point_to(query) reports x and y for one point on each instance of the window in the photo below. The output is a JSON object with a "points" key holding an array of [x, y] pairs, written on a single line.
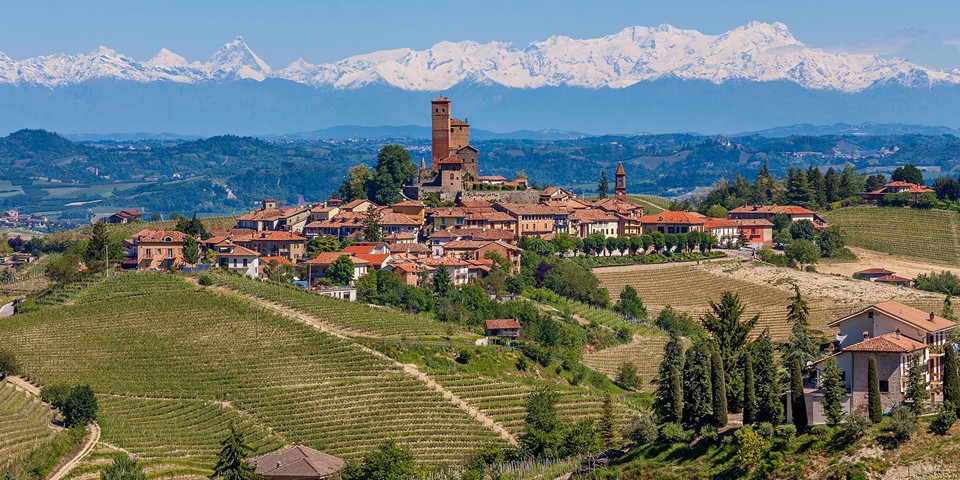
{"points": [[244, 262], [884, 386], [148, 253], [169, 253]]}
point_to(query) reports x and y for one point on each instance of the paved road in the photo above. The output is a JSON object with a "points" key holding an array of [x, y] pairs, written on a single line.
{"points": [[6, 310]]}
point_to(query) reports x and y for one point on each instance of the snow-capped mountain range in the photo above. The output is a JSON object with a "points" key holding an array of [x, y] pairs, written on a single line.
{"points": [[756, 52]]}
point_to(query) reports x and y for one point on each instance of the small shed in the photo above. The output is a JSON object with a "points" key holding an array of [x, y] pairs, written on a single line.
{"points": [[894, 280], [872, 274], [298, 463], [503, 328]]}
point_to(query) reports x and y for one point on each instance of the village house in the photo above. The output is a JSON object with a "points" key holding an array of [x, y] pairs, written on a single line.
{"points": [[667, 222], [896, 335], [767, 212], [477, 250], [589, 221], [288, 245], [532, 220], [894, 280], [125, 216], [158, 249], [298, 463], [316, 268], [270, 217], [392, 222], [756, 232], [503, 328], [414, 209], [340, 292], [408, 250], [726, 231], [342, 225], [555, 193], [360, 205], [322, 214], [872, 274], [894, 188], [238, 259]]}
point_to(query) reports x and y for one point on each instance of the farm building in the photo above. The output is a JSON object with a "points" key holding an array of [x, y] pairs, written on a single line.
{"points": [[872, 274], [893, 188], [298, 463], [503, 328]]}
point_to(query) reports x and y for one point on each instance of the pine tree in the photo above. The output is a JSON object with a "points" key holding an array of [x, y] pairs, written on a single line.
{"points": [[372, 227], [604, 187], [607, 425], [719, 385], [697, 394], [874, 407], [798, 402], [951, 378], [947, 311], [749, 391], [232, 460], [832, 186], [834, 392], [441, 281], [800, 345], [669, 389], [769, 406], [724, 322], [916, 386]]}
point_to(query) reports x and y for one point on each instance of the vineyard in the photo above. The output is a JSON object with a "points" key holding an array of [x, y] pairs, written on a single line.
{"points": [[171, 368], [932, 235], [645, 352], [652, 204], [24, 424], [364, 320]]}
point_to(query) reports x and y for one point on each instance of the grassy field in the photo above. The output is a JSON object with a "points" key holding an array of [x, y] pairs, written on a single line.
{"points": [[170, 369], [931, 235], [24, 424]]}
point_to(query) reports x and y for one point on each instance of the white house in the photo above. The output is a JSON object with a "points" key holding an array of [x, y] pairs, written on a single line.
{"points": [[237, 258]]}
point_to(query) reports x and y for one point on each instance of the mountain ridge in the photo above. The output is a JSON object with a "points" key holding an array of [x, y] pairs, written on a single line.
{"points": [[757, 51]]}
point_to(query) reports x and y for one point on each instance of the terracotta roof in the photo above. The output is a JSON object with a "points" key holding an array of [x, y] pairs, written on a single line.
{"points": [[400, 236], [487, 234], [374, 258], [269, 214], [362, 248], [465, 245], [408, 248], [893, 279], [669, 216], [392, 218], [874, 271], [409, 203], [236, 251], [906, 314], [888, 342], [774, 209], [447, 212], [266, 260], [501, 323], [159, 236], [491, 178], [755, 222], [272, 236], [451, 160], [356, 203], [911, 187], [474, 204], [722, 223], [491, 216], [592, 215], [297, 462], [458, 122], [550, 190], [527, 209], [327, 258], [620, 170]]}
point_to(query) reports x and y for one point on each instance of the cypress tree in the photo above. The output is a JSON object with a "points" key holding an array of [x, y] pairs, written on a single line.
{"points": [[916, 386], [951, 378], [834, 392], [669, 392], [608, 423], [874, 408], [749, 392], [696, 383], [768, 390], [798, 403], [719, 388]]}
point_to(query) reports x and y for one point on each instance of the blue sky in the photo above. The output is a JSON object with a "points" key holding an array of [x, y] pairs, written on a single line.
{"points": [[322, 31]]}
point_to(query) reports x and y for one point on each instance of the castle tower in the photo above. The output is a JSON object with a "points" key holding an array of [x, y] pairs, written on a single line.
{"points": [[440, 115], [620, 185]]}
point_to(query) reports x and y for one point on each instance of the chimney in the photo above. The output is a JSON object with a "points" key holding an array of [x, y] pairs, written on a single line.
{"points": [[269, 204], [898, 334], [931, 316], [866, 334]]}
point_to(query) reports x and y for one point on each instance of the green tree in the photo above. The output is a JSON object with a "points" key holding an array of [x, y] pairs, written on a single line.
{"points": [[875, 182], [191, 250], [102, 248], [697, 389], [340, 272], [630, 304], [717, 211], [951, 378], [627, 376], [830, 241], [80, 406], [442, 283], [719, 384], [9, 364], [322, 244], [916, 392], [832, 185], [193, 227], [542, 435], [607, 426], [834, 392], [752, 448], [372, 227], [564, 242], [393, 170], [798, 402], [604, 187], [749, 391], [232, 460], [769, 406], [803, 252], [388, 461], [874, 406], [724, 322], [669, 384], [354, 187], [123, 468], [803, 230], [907, 173], [801, 346]]}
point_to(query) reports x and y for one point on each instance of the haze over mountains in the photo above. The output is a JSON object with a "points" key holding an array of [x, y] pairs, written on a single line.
{"points": [[656, 79]]}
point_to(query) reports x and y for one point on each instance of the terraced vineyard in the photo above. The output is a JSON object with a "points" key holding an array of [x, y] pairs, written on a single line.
{"points": [[359, 318], [645, 352], [651, 203], [932, 235], [24, 424], [169, 368], [130, 284]]}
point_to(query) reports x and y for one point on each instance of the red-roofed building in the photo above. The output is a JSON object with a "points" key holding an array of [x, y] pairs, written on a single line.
{"points": [[237, 258], [767, 212], [317, 267], [298, 463], [158, 249], [668, 221], [894, 188], [894, 280], [503, 328], [125, 216], [872, 273], [270, 217]]}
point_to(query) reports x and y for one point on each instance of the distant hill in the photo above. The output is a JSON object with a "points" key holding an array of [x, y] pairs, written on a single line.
{"points": [[861, 129], [418, 132]]}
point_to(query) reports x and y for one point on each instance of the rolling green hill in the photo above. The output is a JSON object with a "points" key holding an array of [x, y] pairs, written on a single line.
{"points": [[931, 235], [25, 424]]}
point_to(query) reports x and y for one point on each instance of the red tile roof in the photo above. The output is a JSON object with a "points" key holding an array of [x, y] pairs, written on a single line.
{"points": [[374, 258], [888, 342], [874, 271], [409, 203], [516, 209], [159, 236], [669, 216], [451, 160], [620, 170], [925, 321], [266, 260], [327, 258], [270, 214], [893, 279], [501, 323], [474, 204], [774, 209], [297, 462]]}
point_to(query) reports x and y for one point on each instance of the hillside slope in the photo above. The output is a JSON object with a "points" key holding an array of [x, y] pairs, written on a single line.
{"points": [[931, 235]]}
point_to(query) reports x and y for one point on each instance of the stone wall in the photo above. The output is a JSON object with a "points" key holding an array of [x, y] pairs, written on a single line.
{"points": [[888, 368]]}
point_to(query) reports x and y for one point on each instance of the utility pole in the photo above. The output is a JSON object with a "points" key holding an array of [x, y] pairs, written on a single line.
{"points": [[257, 309], [106, 260]]}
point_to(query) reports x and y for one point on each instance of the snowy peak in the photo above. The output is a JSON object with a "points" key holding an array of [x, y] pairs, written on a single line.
{"points": [[756, 52]]}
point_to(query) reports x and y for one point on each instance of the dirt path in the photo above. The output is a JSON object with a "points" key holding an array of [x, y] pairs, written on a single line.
{"points": [[91, 441], [408, 369], [24, 385], [904, 267]]}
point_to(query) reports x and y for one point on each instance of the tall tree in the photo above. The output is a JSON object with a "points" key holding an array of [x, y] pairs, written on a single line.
{"points": [[341, 272], [875, 182], [907, 173], [191, 250], [669, 384], [607, 425], [232, 461], [372, 227], [442, 284], [832, 185], [604, 187], [798, 403], [697, 392], [834, 392], [916, 391], [769, 406], [394, 170], [354, 187], [749, 391], [102, 250], [630, 304], [730, 332], [851, 182], [818, 187], [719, 388], [800, 345], [874, 407], [80, 406], [542, 431], [951, 378]]}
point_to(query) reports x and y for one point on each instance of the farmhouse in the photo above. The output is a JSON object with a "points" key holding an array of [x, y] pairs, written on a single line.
{"points": [[893, 188], [269, 217], [872, 273], [158, 249], [125, 216], [317, 267], [503, 328], [237, 258], [767, 212], [298, 463]]}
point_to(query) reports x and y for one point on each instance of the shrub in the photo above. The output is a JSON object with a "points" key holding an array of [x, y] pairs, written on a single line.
{"points": [[8, 363], [674, 433], [821, 431], [766, 430], [522, 363], [205, 280], [641, 430], [751, 449], [465, 356], [854, 426], [709, 434], [946, 417], [627, 376], [55, 394], [902, 423], [786, 432]]}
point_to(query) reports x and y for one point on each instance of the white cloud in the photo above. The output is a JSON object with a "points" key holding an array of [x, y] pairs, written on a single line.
{"points": [[952, 43], [893, 43]]}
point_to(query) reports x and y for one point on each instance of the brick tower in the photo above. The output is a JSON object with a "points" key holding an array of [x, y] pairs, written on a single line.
{"points": [[440, 114], [620, 185]]}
